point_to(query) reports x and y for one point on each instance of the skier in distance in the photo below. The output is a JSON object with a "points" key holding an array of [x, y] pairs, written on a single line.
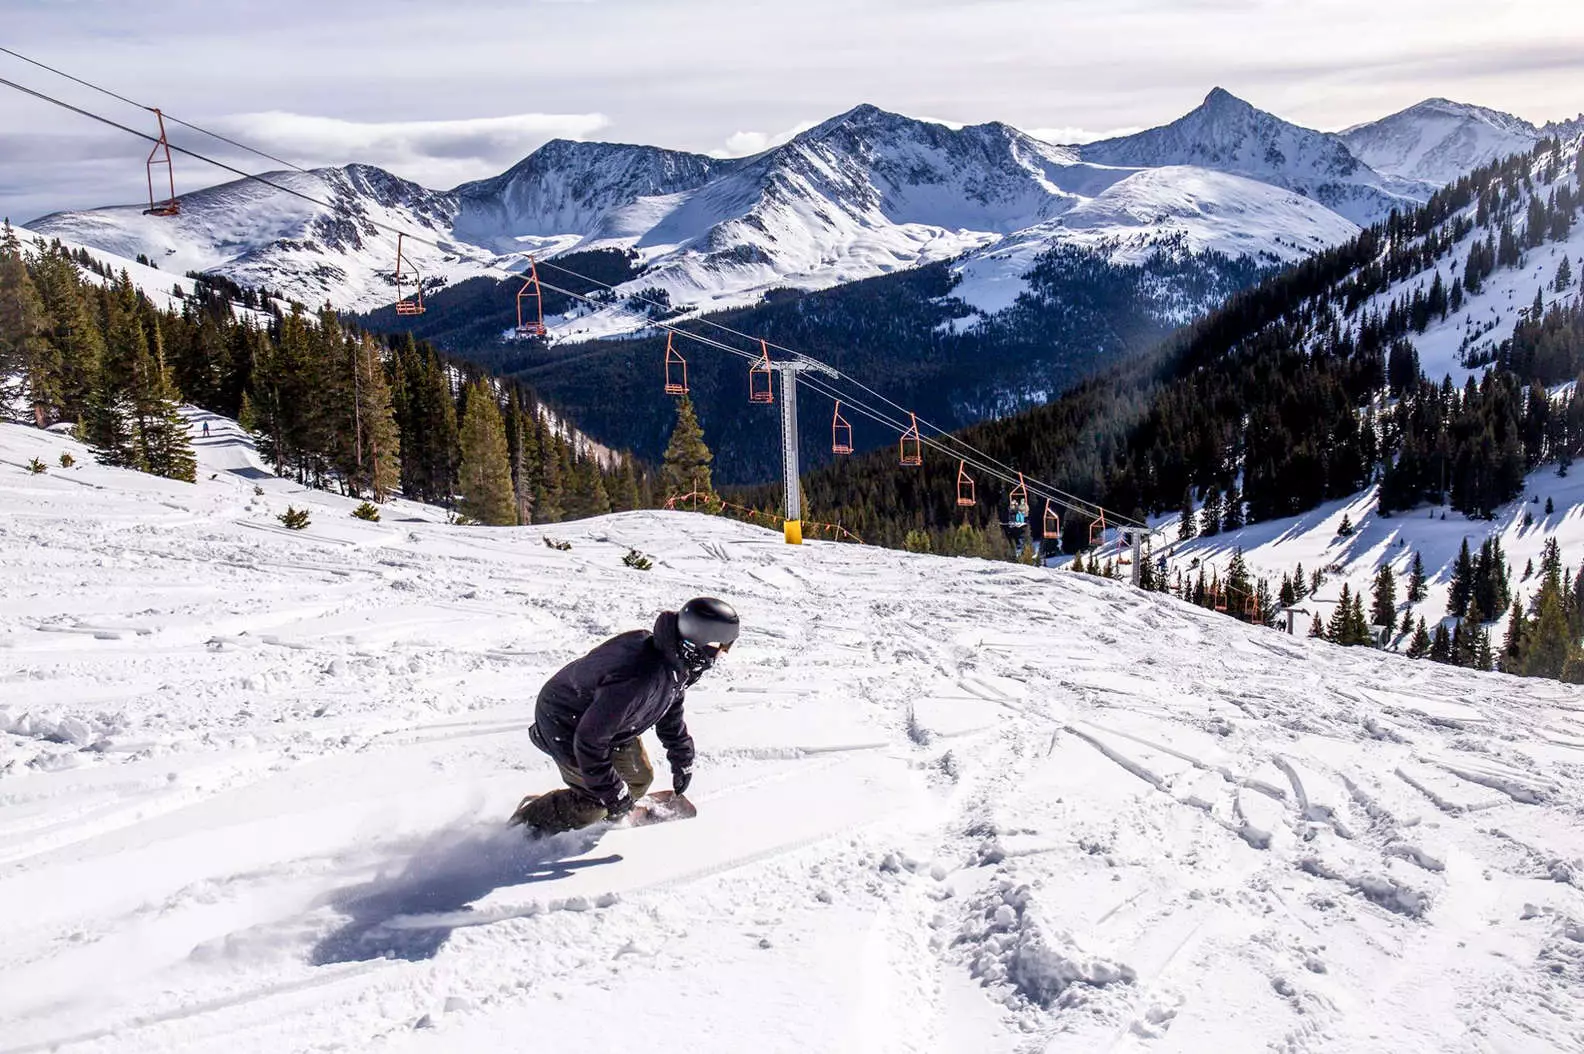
{"points": [[590, 715]]}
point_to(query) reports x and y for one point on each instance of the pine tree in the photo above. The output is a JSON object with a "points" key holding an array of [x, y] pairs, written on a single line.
{"points": [[1441, 645], [486, 483], [1416, 580], [1483, 657], [1419, 646], [1210, 513], [377, 435], [1300, 583], [1232, 511], [160, 429], [1550, 642], [550, 489], [521, 445], [1513, 641], [1316, 628], [1339, 630], [1383, 609], [1358, 629], [687, 459], [1462, 586], [24, 349], [1185, 516]]}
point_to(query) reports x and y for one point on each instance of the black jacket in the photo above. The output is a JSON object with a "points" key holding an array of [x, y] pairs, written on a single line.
{"points": [[611, 696]]}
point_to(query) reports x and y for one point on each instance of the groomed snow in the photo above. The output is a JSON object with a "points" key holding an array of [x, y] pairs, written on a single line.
{"points": [[252, 784]]}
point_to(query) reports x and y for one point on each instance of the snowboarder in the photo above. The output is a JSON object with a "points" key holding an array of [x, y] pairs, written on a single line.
{"points": [[590, 715]]}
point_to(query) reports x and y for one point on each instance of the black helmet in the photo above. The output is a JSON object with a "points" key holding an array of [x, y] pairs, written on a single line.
{"points": [[705, 620]]}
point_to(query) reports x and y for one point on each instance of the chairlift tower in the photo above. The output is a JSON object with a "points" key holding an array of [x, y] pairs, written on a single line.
{"points": [[789, 370]]}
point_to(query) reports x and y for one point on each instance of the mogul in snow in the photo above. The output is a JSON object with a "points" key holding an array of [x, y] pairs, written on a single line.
{"points": [[590, 716]]}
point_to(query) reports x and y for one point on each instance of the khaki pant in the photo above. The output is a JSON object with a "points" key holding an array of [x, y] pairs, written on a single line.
{"points": [[573, 807]]}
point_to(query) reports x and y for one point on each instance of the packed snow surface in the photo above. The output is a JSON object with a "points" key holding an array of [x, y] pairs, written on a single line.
{"points": [[252, 785]]}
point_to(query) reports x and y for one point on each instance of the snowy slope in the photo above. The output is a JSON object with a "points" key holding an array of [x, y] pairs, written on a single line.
{"points": [[251, 785], [862, 194], [1228, 135], [262, 237], [1438, 140]]}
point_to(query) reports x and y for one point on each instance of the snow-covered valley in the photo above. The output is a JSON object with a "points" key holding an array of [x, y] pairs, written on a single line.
{"points": [[252, 785]]}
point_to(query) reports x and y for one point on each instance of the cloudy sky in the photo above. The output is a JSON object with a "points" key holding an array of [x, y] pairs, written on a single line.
{"points": [[444, 92]]}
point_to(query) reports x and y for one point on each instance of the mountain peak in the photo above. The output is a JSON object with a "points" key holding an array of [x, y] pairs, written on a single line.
{"points": [[1221, 99]]}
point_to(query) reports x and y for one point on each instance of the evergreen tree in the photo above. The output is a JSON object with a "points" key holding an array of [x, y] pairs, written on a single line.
{"points": [[1185, 516], [160, 429], [24, 348], [1316, 628], [1416, 580], [1407, 622], [1383, 609], [1300, 583], [486, 483], [1340, 629], [1550, 642], [1419, 646], [1210, 513], [1232, 511], [1441, 645], [1462, 586], [550, 490], [687, 459], [377, 435]]}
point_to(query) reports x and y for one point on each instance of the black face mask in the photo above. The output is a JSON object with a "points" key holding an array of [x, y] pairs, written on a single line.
{"points": [[698, 658]]}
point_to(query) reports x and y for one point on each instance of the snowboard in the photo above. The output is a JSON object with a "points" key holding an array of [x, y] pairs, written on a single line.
{"points": [[662, 806]]}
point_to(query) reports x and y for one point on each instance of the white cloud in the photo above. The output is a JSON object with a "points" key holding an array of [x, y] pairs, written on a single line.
{"points": [[746, 144], [434, 153], [1070, 136]]}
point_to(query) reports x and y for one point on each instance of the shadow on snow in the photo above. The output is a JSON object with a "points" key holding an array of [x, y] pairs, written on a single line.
{"points": [[441, 878]]}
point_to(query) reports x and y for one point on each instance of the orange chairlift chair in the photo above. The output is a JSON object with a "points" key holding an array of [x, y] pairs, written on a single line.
{"points": [[965, 485], [841, 433], [405, 306], [531, 325], [760, 389], [169, 207], [1051, 528], [1097, 529], [912, 445], [1218, 596], [675, 369]]}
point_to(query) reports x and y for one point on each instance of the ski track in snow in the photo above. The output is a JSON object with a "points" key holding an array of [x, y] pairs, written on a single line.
{"points": [[252, 785]]}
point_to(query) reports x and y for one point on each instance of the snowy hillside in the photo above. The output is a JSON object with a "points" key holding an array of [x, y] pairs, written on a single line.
{"points": [[1438, 140], [259, 236], [252, 784], [865, 193]]}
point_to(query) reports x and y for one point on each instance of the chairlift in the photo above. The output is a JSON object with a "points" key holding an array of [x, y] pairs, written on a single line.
{"points": [[169, 207], [675, 369], [531, 325], [1019, 492], [912, 445], [1097, 529], [841, 433], [759, 384], [404, 306], [965, 485], [1218, 597], [1251, 606], [1052, 524]]}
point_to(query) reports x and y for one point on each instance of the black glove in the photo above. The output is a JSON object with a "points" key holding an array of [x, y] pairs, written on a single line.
{"points": [[620, 807], [681, 777]]}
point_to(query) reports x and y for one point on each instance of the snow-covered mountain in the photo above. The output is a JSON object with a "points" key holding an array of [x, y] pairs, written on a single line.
{"points": [[1226, 134], [260, 236], [1438, 140], [865, 193], [252, 785]]}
